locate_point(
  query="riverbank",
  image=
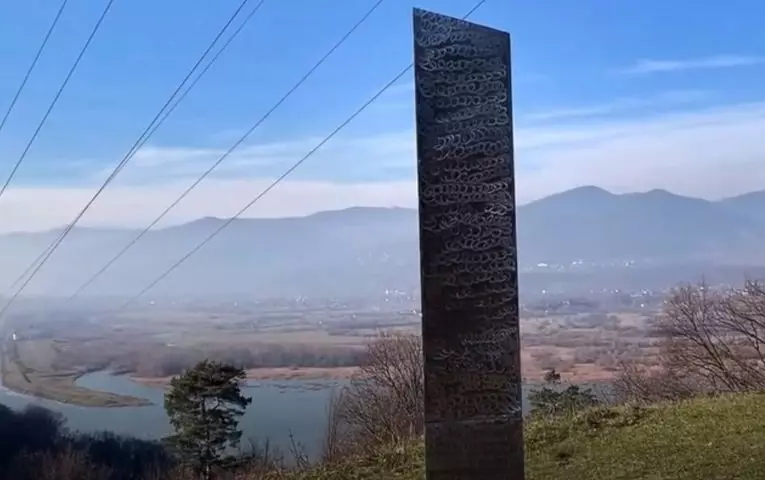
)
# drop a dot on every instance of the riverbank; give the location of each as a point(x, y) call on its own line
point(35, 367)
point(35, 377)
point(274, 374)
point(281, 411)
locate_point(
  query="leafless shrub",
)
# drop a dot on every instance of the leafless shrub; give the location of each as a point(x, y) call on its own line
point(259, 458)
point(335, 436)
point(257, 461)
point(384, 403)
point(299, 457)
point(63, 465)
point(638, 382)
point(709, 341)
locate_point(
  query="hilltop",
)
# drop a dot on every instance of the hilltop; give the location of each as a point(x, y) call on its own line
point(719, 438)
point(369, 250)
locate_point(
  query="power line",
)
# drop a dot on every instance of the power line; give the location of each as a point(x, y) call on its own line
point(43, 258)
point(146, 136)
point(153, 126)
point(280, 178)
point(58, 95)
point(242, 139)
point(32, 66)
point(34, 262)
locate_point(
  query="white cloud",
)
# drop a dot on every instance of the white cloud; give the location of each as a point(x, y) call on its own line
point(156, 176)
point(711, 153)
point(714, 62)
point(152, 156)
point(401, 88)
point(663, 99)
point(158, 164)
point(706, 153)
point(29, 209)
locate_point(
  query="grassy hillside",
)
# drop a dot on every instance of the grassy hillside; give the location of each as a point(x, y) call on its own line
point(713, 439)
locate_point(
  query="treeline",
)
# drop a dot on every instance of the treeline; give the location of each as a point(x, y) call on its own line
point(157, 360)
point(556, 305)
point(174, 360)
point(36, 445)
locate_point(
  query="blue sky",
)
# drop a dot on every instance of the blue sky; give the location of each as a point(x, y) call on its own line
point(625, 95)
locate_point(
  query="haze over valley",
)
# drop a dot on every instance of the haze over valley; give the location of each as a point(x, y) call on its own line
point(581, 240)
point(300, 298)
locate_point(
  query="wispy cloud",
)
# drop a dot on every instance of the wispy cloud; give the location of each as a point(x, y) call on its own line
point(709, 153)
point(664, 99)
point(398, 97)
point(647, 66)
point(401, 88)
point(706, 152)
point(27, 209)
point(343, 155)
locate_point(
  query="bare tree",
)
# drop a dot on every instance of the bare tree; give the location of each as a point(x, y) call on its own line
point(637, 382)
point(335, 440)
point(710, 341)
point(384, 402)
point(743, 317)
point(63, 465)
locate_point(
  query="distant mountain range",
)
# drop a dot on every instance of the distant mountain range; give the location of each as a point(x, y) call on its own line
point(592, 224)
point(363, 250)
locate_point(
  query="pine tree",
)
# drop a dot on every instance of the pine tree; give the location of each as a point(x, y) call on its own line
point(204, 405)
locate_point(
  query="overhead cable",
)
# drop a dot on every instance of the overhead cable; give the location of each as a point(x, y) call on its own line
point(157, 122)
point(33, 64)
point(43, 258)
point(58, 93)
point(276, 182)
point(225, 155)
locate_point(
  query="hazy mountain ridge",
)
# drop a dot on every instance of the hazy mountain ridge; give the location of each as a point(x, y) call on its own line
point(593, 224)
point(365, 250)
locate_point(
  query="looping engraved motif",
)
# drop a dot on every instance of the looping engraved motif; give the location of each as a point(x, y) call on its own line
point(467, 220)
point(471, 278)
point(467, 395)
point(454, 218)
point(472, 135)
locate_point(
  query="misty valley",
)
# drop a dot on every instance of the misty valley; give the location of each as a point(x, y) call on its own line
point(296, 302)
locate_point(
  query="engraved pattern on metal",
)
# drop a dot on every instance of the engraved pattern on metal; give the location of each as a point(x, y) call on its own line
point(467, 250)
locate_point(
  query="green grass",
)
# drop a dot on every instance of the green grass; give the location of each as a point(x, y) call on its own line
point(710, 439)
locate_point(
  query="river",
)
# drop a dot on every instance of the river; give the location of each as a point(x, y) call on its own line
point(278, 409)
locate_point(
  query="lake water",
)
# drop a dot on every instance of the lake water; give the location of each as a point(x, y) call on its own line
point(278, 409)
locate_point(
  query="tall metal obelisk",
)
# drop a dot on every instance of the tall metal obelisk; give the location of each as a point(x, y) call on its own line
point(468, 257)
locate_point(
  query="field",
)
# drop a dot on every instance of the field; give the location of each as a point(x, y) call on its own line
point(281, 342)
point(715, 439)
point(584, 346)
